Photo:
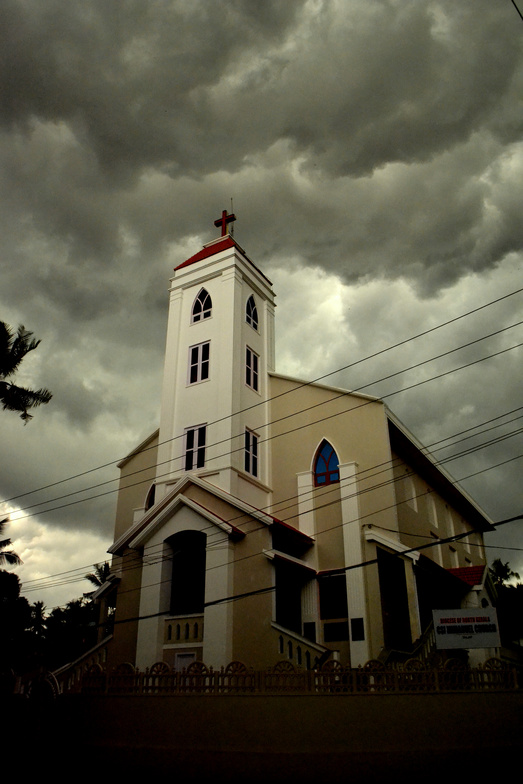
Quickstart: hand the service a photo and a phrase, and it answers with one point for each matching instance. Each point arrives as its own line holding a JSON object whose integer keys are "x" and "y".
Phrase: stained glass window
{"x": 326, "y": 465}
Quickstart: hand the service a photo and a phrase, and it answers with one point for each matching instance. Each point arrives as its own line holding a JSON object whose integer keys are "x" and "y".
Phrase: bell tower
{"x": 219, "y": 349}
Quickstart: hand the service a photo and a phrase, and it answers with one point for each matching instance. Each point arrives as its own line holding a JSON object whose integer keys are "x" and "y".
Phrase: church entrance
{"x": 394, "y": 601}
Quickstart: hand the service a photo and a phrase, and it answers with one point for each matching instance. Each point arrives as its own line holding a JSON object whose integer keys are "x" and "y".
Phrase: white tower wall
{"x": 223, "y": 402}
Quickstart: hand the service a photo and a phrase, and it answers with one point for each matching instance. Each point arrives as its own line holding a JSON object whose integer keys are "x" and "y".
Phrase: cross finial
{"x": 224, "y": 220}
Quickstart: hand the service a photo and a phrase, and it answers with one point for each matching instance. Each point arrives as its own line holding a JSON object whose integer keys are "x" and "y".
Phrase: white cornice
{"x": 372, "y": 535}
{"x": 168, "y": 511}
{"x": 338, "y": 390}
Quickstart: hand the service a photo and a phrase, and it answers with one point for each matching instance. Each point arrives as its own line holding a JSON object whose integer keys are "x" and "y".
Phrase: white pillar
{"x": 353, "y": 555}
{"x": 305, "y": 503}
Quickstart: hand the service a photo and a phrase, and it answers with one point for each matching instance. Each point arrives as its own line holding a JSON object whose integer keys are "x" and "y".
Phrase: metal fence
{"x": 413, "y": 676}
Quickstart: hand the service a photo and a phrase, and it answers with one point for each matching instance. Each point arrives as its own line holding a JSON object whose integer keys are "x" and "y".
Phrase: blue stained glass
{"x": 326, "y": 465}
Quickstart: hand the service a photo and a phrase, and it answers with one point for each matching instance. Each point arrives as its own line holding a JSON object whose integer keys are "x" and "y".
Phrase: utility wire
{"x": 150, "y": 554}
{"x": 332, "y": 573}
{"x": 302, "y": 384}
{"x": 384, "y": 466}
{"x": 289, "y": 416}
{"x": 517, "y": 9}
{"x": 398, "y": 390}
{"x": 151, "y": 559}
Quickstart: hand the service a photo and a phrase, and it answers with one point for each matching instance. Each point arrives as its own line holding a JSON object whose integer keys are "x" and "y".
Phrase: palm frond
{"x": 14, "y": 348}
{"x": 15, "y": 398}
{"x": 8, "y": 557}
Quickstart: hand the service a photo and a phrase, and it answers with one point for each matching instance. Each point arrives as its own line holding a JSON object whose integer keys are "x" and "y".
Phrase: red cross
{"x": 223, "y": 221}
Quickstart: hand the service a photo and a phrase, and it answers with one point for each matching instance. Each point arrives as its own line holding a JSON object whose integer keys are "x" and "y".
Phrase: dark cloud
{"x": 372, "y": 150}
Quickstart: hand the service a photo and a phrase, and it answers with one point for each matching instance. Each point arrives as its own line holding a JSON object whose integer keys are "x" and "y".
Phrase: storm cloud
{"x": 372, "y": 152}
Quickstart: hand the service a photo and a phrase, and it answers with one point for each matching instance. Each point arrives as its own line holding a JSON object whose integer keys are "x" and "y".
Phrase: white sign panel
{"x": 466, "y": 628}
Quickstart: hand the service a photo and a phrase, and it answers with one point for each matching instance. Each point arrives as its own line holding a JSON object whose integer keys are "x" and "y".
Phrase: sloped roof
{"x": 216, "y": 246}
{"x": 209, "y": 250}
{"x": 472, "y": 575}
{"x": 155, "y": 516}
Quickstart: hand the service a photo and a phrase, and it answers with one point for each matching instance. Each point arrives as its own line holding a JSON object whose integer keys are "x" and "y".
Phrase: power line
{"x": 517, "y": 9}
{"x": 396, "y": 392}
{"x": 71, "y": 575}
{"x": 383, "y": 467}
{"x": 75, "y": 579}
{"x": 289, "y": 416}
{"x": 302, "y": 384}
{"x": 152, "y": 559}
{"x": 331, "y": 573}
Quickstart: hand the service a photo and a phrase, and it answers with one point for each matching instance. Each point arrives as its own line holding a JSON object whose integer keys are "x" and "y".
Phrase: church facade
{"x": 270, "y": 518}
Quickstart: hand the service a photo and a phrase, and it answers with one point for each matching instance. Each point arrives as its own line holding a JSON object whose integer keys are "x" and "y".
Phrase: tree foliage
{"x": 501, "y": 573}
{"x": 100, "y": 574}
{"x": 7, "y": 557}
{"x": 509, "y": 603}
{"x": 15, "y": 614}
{"x": 14, "y": 346}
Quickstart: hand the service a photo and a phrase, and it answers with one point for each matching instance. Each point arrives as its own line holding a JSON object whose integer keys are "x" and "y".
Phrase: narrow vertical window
{"x": 202, "y": 307}
{"x": 195, "y": 447}
{"x": 251, "y": 453}
{"x": 251, "y": 313}
{"x": 251, "y": 369}
{"x": 149, "y": 500}
{"x": 188, "y": 577}
{"x": 199, "y": 363}
{"x": 326, "y": 465}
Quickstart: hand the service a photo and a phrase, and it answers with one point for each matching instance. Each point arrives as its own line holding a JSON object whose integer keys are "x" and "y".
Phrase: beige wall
{"x": 424, "y": 515}
{"x": 356, "y": 427}
{"x": 385, "y": 498}
{"x": 137, "y": 473}
{"x": 123, "y": 646}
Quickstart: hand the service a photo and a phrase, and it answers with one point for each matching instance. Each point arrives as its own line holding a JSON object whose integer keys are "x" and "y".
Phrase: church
{"x": 270, "y": 518}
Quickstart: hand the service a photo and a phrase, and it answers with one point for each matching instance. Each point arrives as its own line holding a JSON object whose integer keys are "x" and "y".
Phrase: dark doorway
{"x": 290, "y": 580}
{"x": 394, "y": 601}
{"x": 188, "y": 572}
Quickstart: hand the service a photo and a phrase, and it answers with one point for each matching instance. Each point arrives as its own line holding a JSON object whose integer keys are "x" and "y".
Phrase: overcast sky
{"x": 373, "y": 152}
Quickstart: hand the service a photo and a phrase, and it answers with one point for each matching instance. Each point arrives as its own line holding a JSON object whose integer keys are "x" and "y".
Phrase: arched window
{"x": 149, "y": 501}
{"x": 202, "y": 307}
{"x": 251, "y": 313}
{"x": 326, "y": 465}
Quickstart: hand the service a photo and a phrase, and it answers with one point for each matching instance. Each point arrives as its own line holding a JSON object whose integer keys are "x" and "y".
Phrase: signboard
{"x": 469, "y": 628}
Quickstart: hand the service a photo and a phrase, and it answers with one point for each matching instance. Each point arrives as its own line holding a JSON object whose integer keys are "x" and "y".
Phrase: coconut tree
{"x": 501, "y": 573}
{"x": 7, "y": 557}
{"x": 99, "y": 576}
{"x": 509, "y": 603}
{"x": 14, "y": 346}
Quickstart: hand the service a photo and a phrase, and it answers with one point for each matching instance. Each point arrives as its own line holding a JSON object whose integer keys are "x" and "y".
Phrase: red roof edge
{"x": 223, "y": 243}
{"x": 472, "y": 575}
{"x": 209, "y": 250}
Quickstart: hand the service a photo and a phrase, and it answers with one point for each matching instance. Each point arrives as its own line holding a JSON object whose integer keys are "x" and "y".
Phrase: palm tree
{"x": 13, "y": 348}
{"x": 501, "y": 573}
{"x": 38, "y": 620}
{"x": 99, "y": 576}
{"x": 7, "y": 556}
